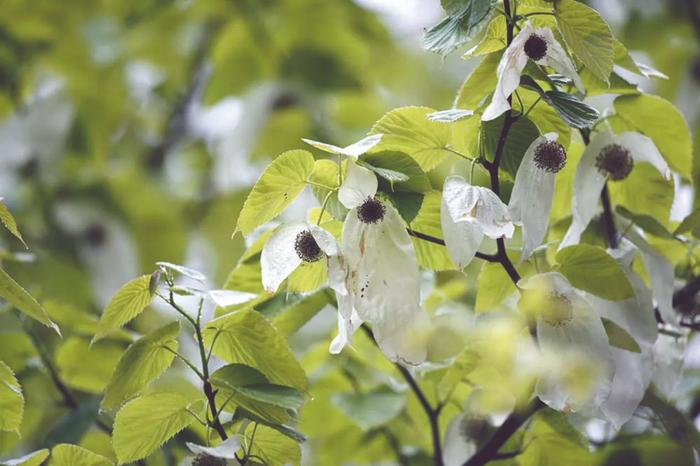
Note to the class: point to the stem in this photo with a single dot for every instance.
(430, 412)
(186, 361)
(489, 450)
(441, 242)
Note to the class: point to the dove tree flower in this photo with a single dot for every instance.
(468, 213)
(353, 150)
(531, 198)
(609, 156)
(538, 45)
(377, 279)
(290, 245)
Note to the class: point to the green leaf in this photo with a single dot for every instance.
(34, 458)
(11, 400)
(128, 302)
(14, 294)
(144, 424)
(430, 255)
(142, 363)
(587, 35)
(645, 222)
(690, 224)
(326, 173)
(590, 268)
(408, 130)
(72, 455)
(400, 170)
(493, 286)
(480, 83)
(551, 440)
(660, 120)
(295, 316)
(619, 337)
(248, 388)
(571, 109)
(74, 424)
(407, 204)
(277, 187)
(645, 450)
(9, 222)
(465, 18)
(273, 447)
(246, 337)
(494, 39)
(522, 133)
(86, 367)
(545, 117)
(370, 410)
(645, 190)
(672, 421)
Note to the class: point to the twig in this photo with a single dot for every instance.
(433, 239)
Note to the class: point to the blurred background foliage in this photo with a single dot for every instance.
(131, 132)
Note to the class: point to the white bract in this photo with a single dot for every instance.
(538, 45)
(376, 279)
(467, 213)
(289, 246)
(531, 198)
(568, 330)
(353, 150)
(225, 451)
(608, 156)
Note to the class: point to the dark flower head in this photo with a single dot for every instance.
(371, 211)
(206, 460)
(615, 161)
(306, 247)
(535, 47)
(550, 156)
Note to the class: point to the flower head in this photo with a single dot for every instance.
(531, 198)
(538, 45)
(290, 245)
(608, 156)
(467, 214)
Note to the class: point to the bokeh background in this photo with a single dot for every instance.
(131, 132)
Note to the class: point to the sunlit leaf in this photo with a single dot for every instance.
(128, 302)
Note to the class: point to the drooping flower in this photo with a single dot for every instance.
(353, 150)
(376, 278)
(468, 213)
(538, 45)
(568, 329)
(223, 454)
(290, 245)
(611, 157)
(531, 198)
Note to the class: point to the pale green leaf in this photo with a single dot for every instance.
(84, 367)
(295, 316)
(430, 255)
(247, 337)
(645, 222)
(34, 458)
(479, 84)
(619, 337)
(144, 424)
(143, 362)
(493, 286)
(325, 173)
(690, 224)
(128, 302)
(277, 187)
(18, 297)
(645, 190)
(73, 455)
(8, 220)
(660, 120)
(273, 447)
(11, 400)
(408, 130)
(465, 18)
(370, 410)
(590, 268)
(587, 35)
(551, 440)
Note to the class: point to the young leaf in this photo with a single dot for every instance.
(246, 337)
(400, 170)
(408, 130)
(587, 35)
(142, 362)
(34, 458)
(371, 409)
(464, 19)
(480, 83)
(521, 135)
(646, 223)
(128, 302)
(73, 455)
(590, 268)
(182, 270)
(8, 220)
(571, 109)
(11, 400)
(277, 187)
(660, 120)
(145, 423)
(273, 447)
(619, 337)
(326, 173)
(14, 294)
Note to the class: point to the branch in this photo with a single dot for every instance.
(432, 239)
(432, 413)
(489, 450)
